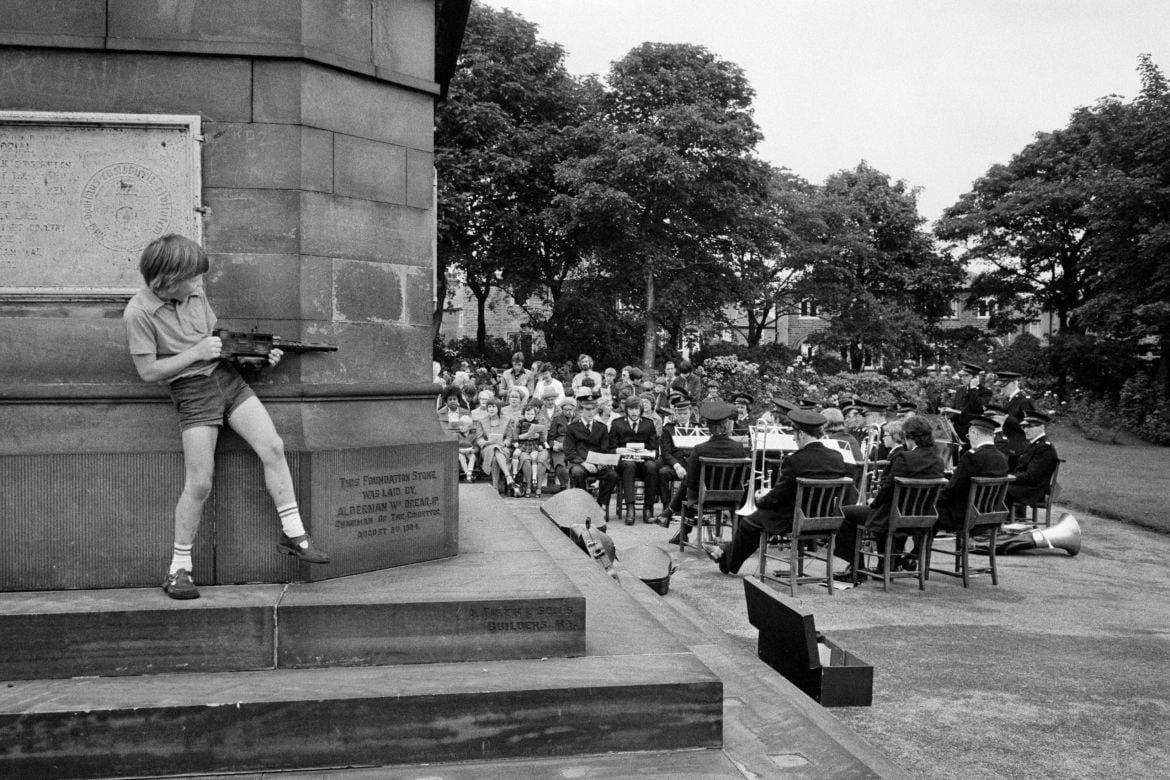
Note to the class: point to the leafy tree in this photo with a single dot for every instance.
(496, 147)
(664, 173)
(880, 282)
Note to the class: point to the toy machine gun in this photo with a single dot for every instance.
(251, 349)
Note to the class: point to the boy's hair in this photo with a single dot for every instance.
(465, 420)
(171, 259)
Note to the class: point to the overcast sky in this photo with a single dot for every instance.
(930, 91)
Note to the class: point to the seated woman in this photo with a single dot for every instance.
(451, 410)
(495, 447)
(530, 455)
(515, 399)
(913, 455)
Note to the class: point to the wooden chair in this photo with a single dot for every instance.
(1045, 503)
(722, 482)
(817, 516)
(986, 512)
(913, 512)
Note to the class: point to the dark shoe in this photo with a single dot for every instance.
(718, 553)
(664, 519)
(180, 585)
(628, 517)
(847, 576)
(909, 563)
(302, 547)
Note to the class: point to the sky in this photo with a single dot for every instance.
(933, 92)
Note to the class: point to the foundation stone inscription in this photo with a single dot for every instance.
(81, 195)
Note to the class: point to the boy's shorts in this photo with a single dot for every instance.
(208, 400)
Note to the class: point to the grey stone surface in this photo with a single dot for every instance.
(250, 220)
(370, 170)
(404, 37)
(54, 22)
(267, 156)
(354, 229)
(420, 179)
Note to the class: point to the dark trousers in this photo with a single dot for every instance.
(627, 471)
(746, 539)
(846, 544)
(606, 479)
(666, 479)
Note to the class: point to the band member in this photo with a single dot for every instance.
(692, 384)
(719, 421)
(835, 429)
(775, 506)
(1009, 438)
(559, 421)
(779, 413)
(982, 460)
(670, 459)
(1015, 402)
(969, 398)
(743, 407)
(1038, 460)
(633, 428)
(583, 436)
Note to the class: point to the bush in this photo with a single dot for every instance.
(1143, 409)
(450, 351)
(765, 355)
(1096, 418)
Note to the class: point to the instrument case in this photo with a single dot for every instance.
(790, 644)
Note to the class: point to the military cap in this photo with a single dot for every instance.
(806, 419)
(872, 406)
(587, 401)
(680, 401)
(901, 407)
(974, 369)
(784, 403)
(743, 398)
(994, 409)
(716, 411)
(854, 407)
(1036, 417)
(808, 403)
(984, 424)
(1007, 376)
(947, 410)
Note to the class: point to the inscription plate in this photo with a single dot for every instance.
(82, 194)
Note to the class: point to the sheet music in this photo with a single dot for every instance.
(603, 458)
(843, 447)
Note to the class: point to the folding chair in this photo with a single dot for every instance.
(913, 512)
(722, 483)
(817, 515)
(986, 512)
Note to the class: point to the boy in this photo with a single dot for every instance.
(169, 325)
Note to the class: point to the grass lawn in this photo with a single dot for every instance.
(1128, 481)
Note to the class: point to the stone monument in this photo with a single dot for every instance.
(293, 138)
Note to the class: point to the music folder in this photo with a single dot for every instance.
(603, 458)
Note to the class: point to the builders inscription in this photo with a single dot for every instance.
(80, 195)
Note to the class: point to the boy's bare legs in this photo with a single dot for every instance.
(252, 422)
(199, 469)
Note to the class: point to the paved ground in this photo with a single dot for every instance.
(1060, 671)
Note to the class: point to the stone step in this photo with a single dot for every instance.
(503, 597)
(369, 716)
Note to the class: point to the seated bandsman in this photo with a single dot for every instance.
(778, 415)
(720, 419)
(743, 413)
(559, 420)
(670, 459)
(982, 460)
(1009, 435)
(632, 428)
(775, 506)
(835, 429)
(586, 435)
(1037, 462)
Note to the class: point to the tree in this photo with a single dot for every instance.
(880, 282)
(664, 172)
(496, 139)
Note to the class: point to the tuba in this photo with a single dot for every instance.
(1065, 535)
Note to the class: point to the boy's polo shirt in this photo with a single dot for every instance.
(165, 328)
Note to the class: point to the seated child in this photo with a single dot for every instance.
(467, 447)
(530, 458)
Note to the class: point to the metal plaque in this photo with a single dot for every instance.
(82, 194)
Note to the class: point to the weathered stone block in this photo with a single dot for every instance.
(267, 156)
(56, 18)
(404, 37)
(316, 288)
(369, 170)
(252, 220)
(243, 286)
(340, 27)
(420, 179)
(367, 292)
(276, 91)
(369, 353)
(355, 229)
(357, 106)
(258, 21)
(217, 89)
(67, 350)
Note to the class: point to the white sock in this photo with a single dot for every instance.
(181, 558)
(290, 520)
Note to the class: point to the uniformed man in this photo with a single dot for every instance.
(775, 506)
(743, 408)
(670, 463)
(1015, 401)
(969, 398)
(719, 418)
(1009, 436)
(983, 460)
(583, 436)
(1037, 462)
(632, 428)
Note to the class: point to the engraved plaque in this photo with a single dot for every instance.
(82, 194)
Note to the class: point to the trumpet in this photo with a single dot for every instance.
(759, 469)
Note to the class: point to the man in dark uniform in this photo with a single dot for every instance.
(633, 428)
(982, 460)
(719, 422)
(969, 399)
(1009, 438)
(775, 507)
(583, 436)
(670, 464)
(1015, 401)
(743, 407)
(1034, 470)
